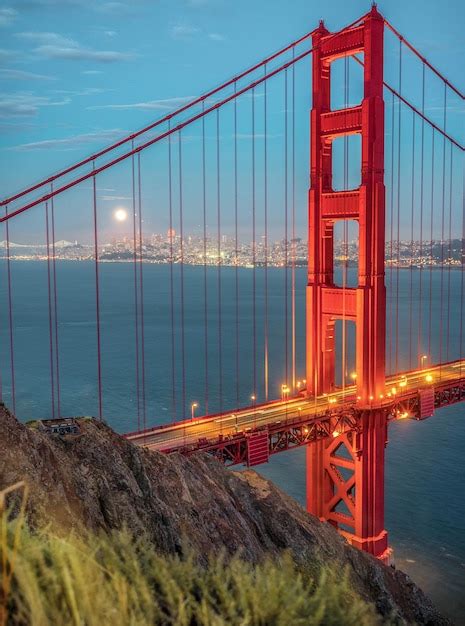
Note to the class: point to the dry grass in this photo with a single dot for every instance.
(101, 579)
(9, 543)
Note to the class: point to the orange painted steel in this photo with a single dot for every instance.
(345, 475)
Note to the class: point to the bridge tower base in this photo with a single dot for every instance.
(345, 483)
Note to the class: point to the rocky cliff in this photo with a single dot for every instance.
(101, 481)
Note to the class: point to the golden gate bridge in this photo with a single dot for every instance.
(233, 158)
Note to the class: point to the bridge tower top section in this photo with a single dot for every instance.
(364, 305)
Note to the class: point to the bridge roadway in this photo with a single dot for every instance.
(178, 435)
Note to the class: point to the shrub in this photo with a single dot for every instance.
(121, 581)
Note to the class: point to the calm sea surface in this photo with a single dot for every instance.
(425, 504)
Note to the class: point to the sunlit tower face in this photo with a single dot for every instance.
(120, 215)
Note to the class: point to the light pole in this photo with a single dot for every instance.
(194, 405)
(284, 391)
(423, 359)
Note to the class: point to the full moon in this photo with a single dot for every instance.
(120, 215)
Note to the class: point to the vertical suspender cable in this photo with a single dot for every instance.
(391, 249)
(55, 307)
(10, 315)
(462, 274)
(136, 295)
(450, 253)
(141, 295)
(286, 259)
(344, 246)
(398, 205)
(181, 235)
(220, 311)
(293, 251)
(254, 254)
(265, 165)
(412, 221)
(97, 297)
(205, 275)
(50, 321)
(171, 236)
(236, 255)
(430, 320)
(420, 295)
(443, 206)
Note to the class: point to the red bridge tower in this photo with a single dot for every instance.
(345, 476)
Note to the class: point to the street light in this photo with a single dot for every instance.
(194, 405)
(284, 391)
(423, 358)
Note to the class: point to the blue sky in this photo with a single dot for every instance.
(77, 74)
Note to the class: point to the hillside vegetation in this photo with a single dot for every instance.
(112, 579)
(90, 494)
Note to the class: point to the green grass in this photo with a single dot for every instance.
(117, 580)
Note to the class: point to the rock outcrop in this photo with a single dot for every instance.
(99, 480)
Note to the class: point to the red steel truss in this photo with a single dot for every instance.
(336, 426)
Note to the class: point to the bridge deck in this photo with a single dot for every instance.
(206, 431)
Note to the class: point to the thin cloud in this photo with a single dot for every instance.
(115, 198)
(46, 38)
(88, 91)
(168, 103)
(7, 16)
(26, 104)
(83, 54)
(55, 46)
(255, 136)
(91, 72)
(71, 143)
(9, 74)
(184, 31)
(5, 55)
(216, 37)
